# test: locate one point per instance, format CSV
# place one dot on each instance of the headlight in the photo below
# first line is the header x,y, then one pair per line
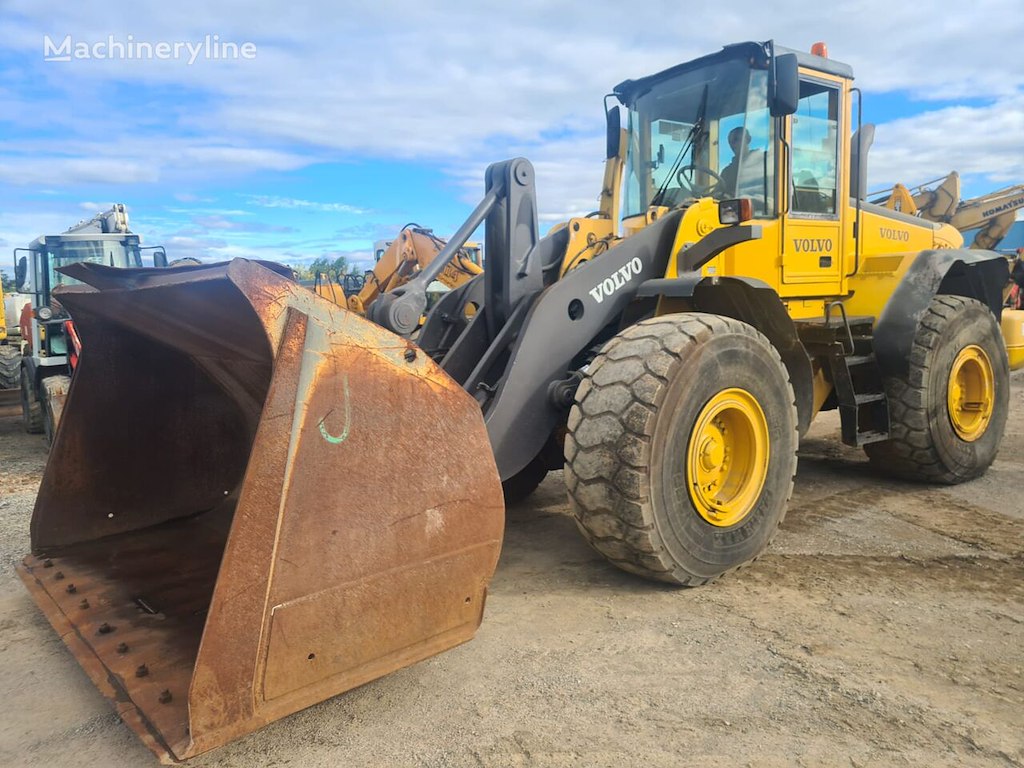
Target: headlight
x,y
735,211
44,313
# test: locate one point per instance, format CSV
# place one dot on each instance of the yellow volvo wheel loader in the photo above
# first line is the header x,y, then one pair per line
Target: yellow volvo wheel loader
x,y
197,549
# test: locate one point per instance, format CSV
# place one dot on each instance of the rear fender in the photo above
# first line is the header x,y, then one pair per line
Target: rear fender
x,y
980,275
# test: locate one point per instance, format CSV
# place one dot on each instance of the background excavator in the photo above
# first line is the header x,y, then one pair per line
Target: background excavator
x,y
51,345
992,214
256,500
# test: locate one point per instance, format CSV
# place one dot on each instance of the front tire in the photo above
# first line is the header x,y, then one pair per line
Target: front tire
x,y
31,408
948,416
681,448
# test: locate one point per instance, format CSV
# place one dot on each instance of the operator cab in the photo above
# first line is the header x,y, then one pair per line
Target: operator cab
x,y
36,274
757,122
701,129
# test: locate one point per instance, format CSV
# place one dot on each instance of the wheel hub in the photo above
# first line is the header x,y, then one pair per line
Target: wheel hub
x,y
712,453
727,457
971,393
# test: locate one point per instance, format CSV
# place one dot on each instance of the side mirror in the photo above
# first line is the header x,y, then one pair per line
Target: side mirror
x,y
159,257
20,273
784,87
614,119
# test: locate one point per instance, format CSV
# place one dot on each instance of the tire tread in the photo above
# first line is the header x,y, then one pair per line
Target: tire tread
x,y
615,514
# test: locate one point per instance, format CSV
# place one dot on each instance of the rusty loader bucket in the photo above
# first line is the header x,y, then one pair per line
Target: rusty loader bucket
x,y
255,501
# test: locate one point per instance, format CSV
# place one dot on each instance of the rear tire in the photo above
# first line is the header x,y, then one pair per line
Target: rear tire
x,y
650,481
10,367
948,416
31,408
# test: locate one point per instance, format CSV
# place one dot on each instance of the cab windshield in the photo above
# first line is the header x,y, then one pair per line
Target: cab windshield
x,y
702,133
109,252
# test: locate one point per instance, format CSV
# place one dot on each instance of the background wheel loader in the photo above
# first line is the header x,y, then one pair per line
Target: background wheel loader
x,y
397,262
400,260
674,364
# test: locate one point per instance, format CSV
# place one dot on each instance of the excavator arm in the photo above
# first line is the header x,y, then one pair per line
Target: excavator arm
x,y
994,213
939,200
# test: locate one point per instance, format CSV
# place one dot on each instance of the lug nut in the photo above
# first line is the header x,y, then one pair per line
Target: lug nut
x,y
58,575
105,629
47,563
122,647
410,355
84,603
165,696
71,589
142,670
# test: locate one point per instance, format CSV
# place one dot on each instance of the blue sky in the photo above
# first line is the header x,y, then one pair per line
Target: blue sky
x,y
351,121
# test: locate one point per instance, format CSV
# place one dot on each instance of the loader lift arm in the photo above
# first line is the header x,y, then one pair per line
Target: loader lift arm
x,y
515,352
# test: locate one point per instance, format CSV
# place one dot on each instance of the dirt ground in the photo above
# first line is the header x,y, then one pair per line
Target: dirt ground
x,y
885,627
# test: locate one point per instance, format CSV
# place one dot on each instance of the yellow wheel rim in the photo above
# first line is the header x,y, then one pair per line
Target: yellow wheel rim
x,y
971,394
727,457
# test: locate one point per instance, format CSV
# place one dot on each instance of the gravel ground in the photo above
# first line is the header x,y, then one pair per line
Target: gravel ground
x,y
885,626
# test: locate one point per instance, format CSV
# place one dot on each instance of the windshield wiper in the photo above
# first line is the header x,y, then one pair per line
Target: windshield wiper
x,y
694,140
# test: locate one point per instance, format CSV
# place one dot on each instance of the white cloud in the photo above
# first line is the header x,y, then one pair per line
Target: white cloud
x,y
94,208
986,143
268,201
453,78
464,84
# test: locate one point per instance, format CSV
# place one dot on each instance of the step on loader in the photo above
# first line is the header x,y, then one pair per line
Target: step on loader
x,y
266,500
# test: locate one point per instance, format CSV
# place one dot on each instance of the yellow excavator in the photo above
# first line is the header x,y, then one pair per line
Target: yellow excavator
x,y
257,499
992,214
399,261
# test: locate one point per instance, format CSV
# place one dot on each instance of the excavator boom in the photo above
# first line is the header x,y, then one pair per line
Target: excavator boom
x,y
939,200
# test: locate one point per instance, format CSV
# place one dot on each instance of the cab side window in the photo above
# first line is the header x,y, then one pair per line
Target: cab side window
x,y
816,150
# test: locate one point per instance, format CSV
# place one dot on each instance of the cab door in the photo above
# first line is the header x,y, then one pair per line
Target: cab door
x,y
812,247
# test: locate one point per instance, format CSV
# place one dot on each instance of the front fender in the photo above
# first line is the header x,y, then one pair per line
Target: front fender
x,y
755,303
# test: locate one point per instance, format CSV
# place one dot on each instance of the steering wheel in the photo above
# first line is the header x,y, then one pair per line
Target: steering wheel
x,y
690,187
